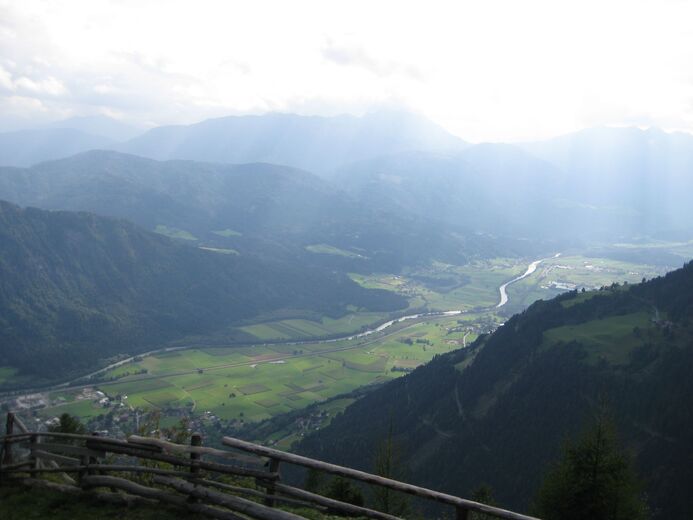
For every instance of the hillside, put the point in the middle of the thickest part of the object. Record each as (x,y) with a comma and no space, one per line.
(595,186)
(317,144)
(498,412)
(269,210)
(76,288)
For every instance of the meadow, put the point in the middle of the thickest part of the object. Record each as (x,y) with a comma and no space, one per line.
(255,383)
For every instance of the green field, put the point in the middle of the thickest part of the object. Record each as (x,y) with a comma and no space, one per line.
(254,383)
(611,339)
(251,383)
(325,327)
(556,275)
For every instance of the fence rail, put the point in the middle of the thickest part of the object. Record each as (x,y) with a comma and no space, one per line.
(178,474)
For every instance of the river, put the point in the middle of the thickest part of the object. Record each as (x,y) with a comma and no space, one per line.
(503,300)
(530,269)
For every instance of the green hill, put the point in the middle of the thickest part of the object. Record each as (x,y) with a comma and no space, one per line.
(499,411)
(76,288)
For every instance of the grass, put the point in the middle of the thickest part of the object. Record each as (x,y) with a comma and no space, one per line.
(555,275)
(304,329)
(611,339)
(233,381)
(326,249)
(21,503)
(174,232)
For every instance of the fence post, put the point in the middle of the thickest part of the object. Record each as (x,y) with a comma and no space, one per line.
(7,447)
(462,513)
(35,461)
(273,468)
(93,460)
(195,440)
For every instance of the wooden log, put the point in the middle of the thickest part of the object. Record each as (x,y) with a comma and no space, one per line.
(69,449)
(16,438)
(195,456)
(369,478)
(269,486)
(57,458)
(202,450)
(9,468)
(33,449)
(107,443)
(177,461)
(92,481)
(19,425)
(7,444)
(121,499)
(238,504)
(67,478)
(91,459)
(102,468)
(331,504)
(254,493)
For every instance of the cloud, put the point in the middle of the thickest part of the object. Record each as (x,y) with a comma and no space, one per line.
(497,70)
(356,56)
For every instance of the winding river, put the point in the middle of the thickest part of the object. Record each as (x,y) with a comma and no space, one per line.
(530,269)
(503,300)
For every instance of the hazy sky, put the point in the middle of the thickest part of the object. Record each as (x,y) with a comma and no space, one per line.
(485,70)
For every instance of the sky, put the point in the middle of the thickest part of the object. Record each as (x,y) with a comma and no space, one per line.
(485,70)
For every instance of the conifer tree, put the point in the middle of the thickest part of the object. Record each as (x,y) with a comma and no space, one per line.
(594,479)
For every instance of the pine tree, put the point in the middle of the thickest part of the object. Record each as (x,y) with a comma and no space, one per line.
(594,479)
(388,465)
(68,424)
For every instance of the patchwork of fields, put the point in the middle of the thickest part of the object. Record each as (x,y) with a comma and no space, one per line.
(254,383)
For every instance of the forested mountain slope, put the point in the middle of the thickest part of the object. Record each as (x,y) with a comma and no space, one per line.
(76,288)
(265,209)
(498,412)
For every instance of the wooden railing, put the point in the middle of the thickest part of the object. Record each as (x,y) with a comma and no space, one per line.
(243,482)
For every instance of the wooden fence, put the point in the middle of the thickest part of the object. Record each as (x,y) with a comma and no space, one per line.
(192,476)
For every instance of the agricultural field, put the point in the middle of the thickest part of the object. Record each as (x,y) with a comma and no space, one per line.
(556,275)
(294,329)
(255,383)
(252,383)
(612,339)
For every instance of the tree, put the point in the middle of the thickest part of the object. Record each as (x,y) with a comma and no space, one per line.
(388,464)
(594,479)
(341,489)
(68,424)
(484,495)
